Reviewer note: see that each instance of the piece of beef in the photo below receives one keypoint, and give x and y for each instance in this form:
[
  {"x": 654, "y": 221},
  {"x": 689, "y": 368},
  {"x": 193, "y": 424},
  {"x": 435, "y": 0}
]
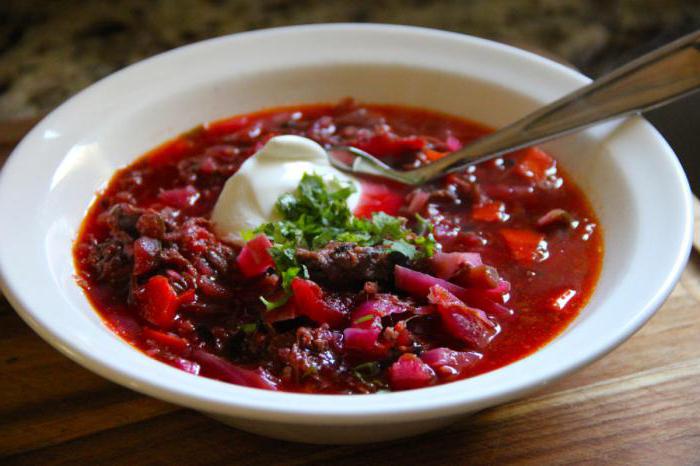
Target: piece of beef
[
  {"x": 110, "y": 260},
  {"x": 344, "y": 265},
  {"x": 121, "y": 217}
]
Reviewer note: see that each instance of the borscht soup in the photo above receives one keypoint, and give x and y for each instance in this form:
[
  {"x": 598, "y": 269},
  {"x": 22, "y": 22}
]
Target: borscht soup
[{"x": 337, "y": 284}]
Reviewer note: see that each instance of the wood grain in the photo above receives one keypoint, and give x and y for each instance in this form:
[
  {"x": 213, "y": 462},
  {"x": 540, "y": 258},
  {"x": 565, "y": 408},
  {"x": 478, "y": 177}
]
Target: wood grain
[{"x": 638, "y": 405}]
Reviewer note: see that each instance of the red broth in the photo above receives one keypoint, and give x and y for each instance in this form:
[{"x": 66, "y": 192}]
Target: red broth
[{"x": 149, "y": 230}]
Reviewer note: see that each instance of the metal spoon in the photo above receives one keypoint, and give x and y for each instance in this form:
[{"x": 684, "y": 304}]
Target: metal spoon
[{"x": 650, "y": 81}]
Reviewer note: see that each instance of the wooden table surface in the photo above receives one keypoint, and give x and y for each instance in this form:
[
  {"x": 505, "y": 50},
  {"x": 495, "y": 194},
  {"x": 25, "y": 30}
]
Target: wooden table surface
[{"x": 638, "y": 405}]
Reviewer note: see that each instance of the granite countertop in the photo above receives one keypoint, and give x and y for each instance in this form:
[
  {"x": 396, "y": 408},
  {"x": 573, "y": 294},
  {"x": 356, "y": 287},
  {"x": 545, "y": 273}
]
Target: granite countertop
[{"x": 51, "y": 50}]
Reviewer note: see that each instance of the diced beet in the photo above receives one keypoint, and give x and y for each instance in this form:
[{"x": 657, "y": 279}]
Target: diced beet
[
  {"x": 366, "y": 316},
  {"x": 179, "y": 198},
  {"x": 361, "y": 339},
  {"x": 535, "y": 164},
  {"x": 382, "y": 305},
  {"x": 159, "y": 302},
  {"x": 524, "y": 245},
  {"x": 169, "y": 341},
  {"x": 449, "y": 364},
  {"x": 446, "y": 264},
  {"x": 254, "y": 259},
  {"x": 308, "y": 297},
  {"x": 386, "y": 145},
  {"x": 146, "y": 252},
  {"x": 465, "y": 323},
  {"x": 410, "y": 372},
  {"x": 218, "y": 368}
]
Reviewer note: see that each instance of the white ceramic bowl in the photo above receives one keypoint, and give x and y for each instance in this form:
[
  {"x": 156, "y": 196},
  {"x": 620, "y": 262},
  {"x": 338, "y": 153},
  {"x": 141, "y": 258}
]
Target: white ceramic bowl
[{"x": 632, "y": 177}]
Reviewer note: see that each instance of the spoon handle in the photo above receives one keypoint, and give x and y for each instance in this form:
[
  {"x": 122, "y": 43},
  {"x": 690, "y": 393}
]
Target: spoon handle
[{"x": 647, "y": 82}]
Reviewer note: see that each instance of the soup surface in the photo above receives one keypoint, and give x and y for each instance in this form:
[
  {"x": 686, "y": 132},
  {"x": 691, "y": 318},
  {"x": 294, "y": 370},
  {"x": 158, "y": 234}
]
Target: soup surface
[{"x": 460, "y": 277}]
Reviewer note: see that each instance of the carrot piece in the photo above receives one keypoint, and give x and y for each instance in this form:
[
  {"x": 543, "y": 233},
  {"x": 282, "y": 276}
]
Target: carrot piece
[
  {"x": 535, "y": 164},
  {"x": 433, "y": 155},
  {"x": 490, "y": 212},
  {"x": 525, "y": 245}
]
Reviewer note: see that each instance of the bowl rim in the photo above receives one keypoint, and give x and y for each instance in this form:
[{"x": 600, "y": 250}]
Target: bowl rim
[{"x": 427, "y": 403}]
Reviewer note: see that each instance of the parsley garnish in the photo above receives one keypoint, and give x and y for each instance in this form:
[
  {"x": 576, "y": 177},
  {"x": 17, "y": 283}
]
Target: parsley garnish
[
  {"x": 366, "y": 371},
  {"x": 316, "y": 213}
]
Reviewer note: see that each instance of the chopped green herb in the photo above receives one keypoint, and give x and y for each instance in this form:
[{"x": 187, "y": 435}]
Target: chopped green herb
[
  {"x": 270, "y": 305},
  {"x": 364, "y": 318},
  {"x": 317, "y": 213},
  {"x": 403, "y": 247},
  {"x": 366, "y": 370},
  {"x": 249, "y": 328}
]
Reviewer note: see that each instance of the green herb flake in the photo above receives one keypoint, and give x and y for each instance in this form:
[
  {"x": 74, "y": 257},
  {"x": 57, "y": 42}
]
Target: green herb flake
[
  {"x": 270, "y": 305},
  {"x": 249, "y": 328},
  {"x": 366, "y": 371},
  {"x": 316, "y": 213},
  {"x": 364, "y": 318}
]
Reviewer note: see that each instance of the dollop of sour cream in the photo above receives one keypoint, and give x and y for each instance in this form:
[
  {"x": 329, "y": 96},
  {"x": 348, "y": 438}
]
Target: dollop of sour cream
[{"x": 249, "y": 195}]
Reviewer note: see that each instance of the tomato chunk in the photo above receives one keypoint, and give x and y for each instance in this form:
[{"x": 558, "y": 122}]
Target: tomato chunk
[
  {"x": 159, "y": 302},
  {"x": 255, "y": 257},
  {"x": 410, "y": 372},
  {"x": 308, "y": 297}
]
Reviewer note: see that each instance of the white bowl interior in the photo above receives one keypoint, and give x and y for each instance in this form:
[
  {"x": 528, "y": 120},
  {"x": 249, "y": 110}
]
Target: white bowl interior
[{"x": 628, "y": 172}]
